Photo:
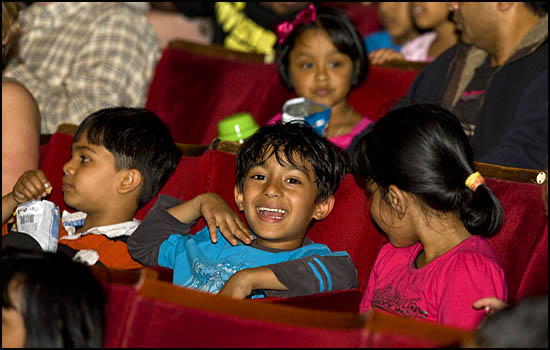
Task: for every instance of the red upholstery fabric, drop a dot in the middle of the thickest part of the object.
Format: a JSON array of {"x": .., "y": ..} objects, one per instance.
[
  {"x": 522, "y": 244},
  {"x": 149, "y": 312},
  {"x": 162, "y": 324},
  {"x": 382, "y": 88},
  {"x": 193, "y": 92}
]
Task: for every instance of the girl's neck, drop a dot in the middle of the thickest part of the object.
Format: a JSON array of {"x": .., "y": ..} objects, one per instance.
[
  {"x": 342, "y": 119},
  {"x": 439, "y": 236},
  {"x": 406, "y": 37}
]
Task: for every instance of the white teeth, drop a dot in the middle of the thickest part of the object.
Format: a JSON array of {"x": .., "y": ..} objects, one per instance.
[{"x": 281, "y": 211}]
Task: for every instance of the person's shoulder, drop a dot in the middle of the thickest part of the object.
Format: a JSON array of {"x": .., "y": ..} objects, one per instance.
[
  {"x": 16, "y": 97},
  {"x": 473, "y": 253},
  {"x": 115, "y": 11},
  {"x": 14, "y": 89}
]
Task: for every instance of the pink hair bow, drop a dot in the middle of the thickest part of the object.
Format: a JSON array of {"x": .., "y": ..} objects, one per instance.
[{"x": 307, "y": 15}]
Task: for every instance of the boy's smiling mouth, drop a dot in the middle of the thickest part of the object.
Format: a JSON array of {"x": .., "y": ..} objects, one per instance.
[{"x": 271, "y": 214}]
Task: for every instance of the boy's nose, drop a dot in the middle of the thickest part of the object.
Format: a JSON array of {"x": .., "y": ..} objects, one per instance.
[
  {"x": 272, "y": 190},
  {"x": 68, "y": 168}
]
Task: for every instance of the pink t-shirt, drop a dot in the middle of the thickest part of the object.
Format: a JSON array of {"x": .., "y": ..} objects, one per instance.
[
  {"x": 443, "y": 290},
  {"x": 342, "y": 141}
]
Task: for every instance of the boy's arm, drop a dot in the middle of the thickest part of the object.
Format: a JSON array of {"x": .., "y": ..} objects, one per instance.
[
  {"x": 243, "y": 282},
  {"x": 304, "y": 276},
  {"x": 217, "y": 214},
  {"x": 144, "y": 244},
  {"x": 8, "y": 206},
  {"x": 315, "y": 274},
  {"x": 31, "y": 185}
]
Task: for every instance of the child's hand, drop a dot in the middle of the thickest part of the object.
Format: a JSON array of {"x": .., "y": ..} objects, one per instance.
[
  {"x": 237, "y": 286},
  {"x": 490, "y": 304},
  {"x": 31, "y": 185},
  {"x": 218, "y": 214},
  {"x": 243, "y": 282},
  {"x": 380, "y": 56}
]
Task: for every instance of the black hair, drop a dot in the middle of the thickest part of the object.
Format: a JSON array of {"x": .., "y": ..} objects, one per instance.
[
  {"x": 538, "y": 8},
  {"x": 344, "y": 36},
  {"x": 422, "y": 149},
  {"x": 139, "y": 140},
  {"x": 61, "y": 302},
  {"x": 294, "y": 141},
  {"x": 524, "y": 325}
]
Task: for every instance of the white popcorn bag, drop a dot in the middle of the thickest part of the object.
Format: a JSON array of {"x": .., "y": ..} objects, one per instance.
[{"x": 40, "y": 220}]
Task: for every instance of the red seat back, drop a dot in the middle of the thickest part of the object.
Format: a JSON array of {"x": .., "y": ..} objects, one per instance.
[
  {"x": 192, "y": 92},
  {"x": 521, "y": 246},
  {"x": 382, "y": 88}
]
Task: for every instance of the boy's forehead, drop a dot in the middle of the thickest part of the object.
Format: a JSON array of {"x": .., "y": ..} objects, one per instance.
[
  {"x": 294, "y": 160},
  {"x": 82, "y": 142}
]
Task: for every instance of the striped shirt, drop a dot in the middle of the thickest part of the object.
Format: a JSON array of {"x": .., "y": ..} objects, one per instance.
[{"x": 76, "y": 58}]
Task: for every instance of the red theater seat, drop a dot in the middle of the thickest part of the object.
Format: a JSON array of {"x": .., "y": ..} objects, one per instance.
[
  {"x": 192, "y": 92},
  {"x": 145, "y": 311}
]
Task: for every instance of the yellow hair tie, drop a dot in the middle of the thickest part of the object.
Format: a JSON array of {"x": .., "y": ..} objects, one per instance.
[{"x": 474, "y": 180}]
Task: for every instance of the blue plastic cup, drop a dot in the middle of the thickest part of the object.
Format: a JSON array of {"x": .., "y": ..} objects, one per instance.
[{"x": 300, "y": 108}]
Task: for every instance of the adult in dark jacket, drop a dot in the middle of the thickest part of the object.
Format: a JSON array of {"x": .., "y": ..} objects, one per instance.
[{"x": 496, "y": 81}]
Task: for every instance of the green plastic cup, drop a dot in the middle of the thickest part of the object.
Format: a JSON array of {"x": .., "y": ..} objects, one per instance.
[{"x": 237, "y": 127}]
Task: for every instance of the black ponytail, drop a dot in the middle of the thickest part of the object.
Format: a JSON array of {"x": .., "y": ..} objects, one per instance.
[{"x": 422, "y": 149}]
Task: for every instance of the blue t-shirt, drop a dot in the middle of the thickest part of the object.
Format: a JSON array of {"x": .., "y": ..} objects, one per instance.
[
  {"x": 380, "y": 40},
  {"x": 200, "y": 264}
]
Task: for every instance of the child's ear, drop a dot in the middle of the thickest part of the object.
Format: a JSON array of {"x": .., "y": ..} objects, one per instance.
[
  {"x": 131, "y": 179},
  {"x": 398, "y": 200},
  {"x": 323, "y": 208},
  {"x": 239, "y": 198}
]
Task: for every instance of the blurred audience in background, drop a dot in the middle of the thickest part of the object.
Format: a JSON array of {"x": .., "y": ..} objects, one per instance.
[
  {"x": 495, "y": 80},
  {"x": 78, "y": 57},
  {"x": 241, "y": 26},
  {"x": 398, "y": 25},
  {"x": 432, "y": 19}
]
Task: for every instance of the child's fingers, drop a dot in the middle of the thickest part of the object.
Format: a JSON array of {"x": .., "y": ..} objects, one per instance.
[
  {"x": 213, "y": 229},
  {"x": 30, "y": 186},
  {"x": 232, "y": 229},
  {"x": 228, "y": 232},
  {"x": 489, "y": 304},
  {"x": 240, "y": 231}
]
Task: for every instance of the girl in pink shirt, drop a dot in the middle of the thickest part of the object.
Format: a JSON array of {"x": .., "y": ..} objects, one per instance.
[
  {"x": 436, "y": 212},
  {"x": 321, "y": 55}
]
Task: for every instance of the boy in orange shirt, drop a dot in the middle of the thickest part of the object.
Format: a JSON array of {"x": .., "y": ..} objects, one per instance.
[{"x": 121, "y": 157}]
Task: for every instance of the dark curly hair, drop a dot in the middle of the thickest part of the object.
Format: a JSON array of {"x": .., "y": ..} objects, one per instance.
[{"x": 294, "y": 141}]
